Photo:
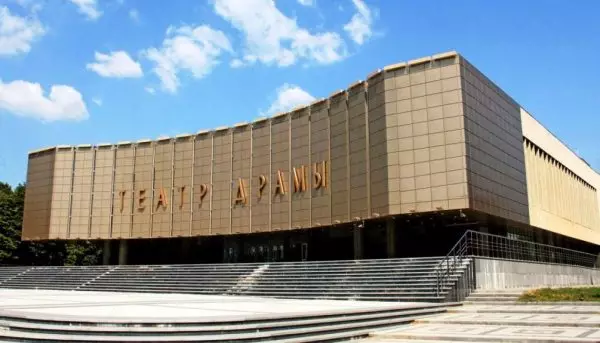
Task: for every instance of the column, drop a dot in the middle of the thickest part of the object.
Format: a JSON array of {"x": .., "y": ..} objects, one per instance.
[
  {"x": 358, "y": 241},
  {"x": 184, "y": 252},
  {"x": 122, "y": 252},
  {"x": 390, "y": 234},
  {"x": 106, "y": 252}
]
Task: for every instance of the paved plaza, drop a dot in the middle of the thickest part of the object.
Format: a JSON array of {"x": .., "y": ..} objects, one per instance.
[
  {"x": 502, "y": 323},
  {"x": 115, "y": 307}
]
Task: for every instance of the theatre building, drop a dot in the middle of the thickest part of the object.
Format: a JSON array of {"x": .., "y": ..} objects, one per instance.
[{"x": 400, "y": 164}]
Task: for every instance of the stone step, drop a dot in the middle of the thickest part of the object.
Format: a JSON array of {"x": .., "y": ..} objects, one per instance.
[
  {"x": 502, "y": 290},
  {"x": 473, "y": 298},
  {"x": 496, "y": 294},
  {"x": 290, "y": 334},
  {"x": 491, "y": 302},
  {"x": 27, "y": 325},
  {"x": 529, "y": 308}
]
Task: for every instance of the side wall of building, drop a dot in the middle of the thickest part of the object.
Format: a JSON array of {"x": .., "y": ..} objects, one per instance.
[
  {"x": 494, "y": 149},
  {"x": 563, "y": 190}
]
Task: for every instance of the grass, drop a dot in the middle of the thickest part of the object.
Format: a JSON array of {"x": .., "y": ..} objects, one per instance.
[{"x": 562, "y": 294}]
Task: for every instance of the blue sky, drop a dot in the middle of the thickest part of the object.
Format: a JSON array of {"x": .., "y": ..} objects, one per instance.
[{"x": 93, "y": 71}]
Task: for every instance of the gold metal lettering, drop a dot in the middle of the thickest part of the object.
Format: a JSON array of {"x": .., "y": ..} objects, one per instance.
[
  {"x": 320, "y": 174},
  {"x": 280, "y": 184},
  {"x": 240, "y": 197},
  {"x": 181, "y": 196},
  {"x": 162, "y": 199},
  {"x": 203, "y": 191},
  {"x": 141, "y": 199},
  {"x": 262, "y": 183},
  {"x": 122, "y": 197},
  {"x": 299, "y": 179}
]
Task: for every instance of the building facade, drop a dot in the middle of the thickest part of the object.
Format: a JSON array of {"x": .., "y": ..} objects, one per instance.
[{"x": 428, "y": 137}]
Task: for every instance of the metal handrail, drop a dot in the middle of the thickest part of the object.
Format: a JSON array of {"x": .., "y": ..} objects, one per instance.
[
  {"x": 453, "y": 253},
  {"x": 481, "y": 244}
]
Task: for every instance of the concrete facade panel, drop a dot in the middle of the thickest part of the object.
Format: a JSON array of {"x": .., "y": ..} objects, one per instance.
[
  {"x": 39, "y": 197},
  {"x": 261, "y": 184},
  {"x": 280, "y": 172},
  {"x": 240, "y": 180},
  {"x": 221, "y": 199},
  {"x": 81, "y": 200},
  {"x": 338, "y": 116},
  {"x": 300, "y": 192},
  {"x": 161, "y": 204},
  {"x": 102, "y": 191},
  {"x": 145, "y": 196},
  {"x": 123, "y": 191},
  {"x": 202, "y": 189},
  {"x": 61, "y": 172},
  {"x": 183, "y": 169},
  {"x": 320, "y": 158},
  {"x": 357, "y": 132}
]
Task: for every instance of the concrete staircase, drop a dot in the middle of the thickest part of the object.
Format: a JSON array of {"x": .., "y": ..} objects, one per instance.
[
  {"x": 402, "y": 279},
  {"x": 494, "y": 296}
]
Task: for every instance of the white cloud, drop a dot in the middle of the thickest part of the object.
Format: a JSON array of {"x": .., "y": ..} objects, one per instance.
[
  {"x": 236, "y": 63},
  {"x": 193, "y": 49},
  {"x": 288, "y": 97},
  {"x": 89, "y": 8},
  {"x": 273, "y": 38},
  {"x": 150, "y": 90},
  {"x": 115, "y": 64},
  {"x": 307, "y": 2},
  {"x": 97, "y": 101},
  {"x": 27, "y": 99},
  {"x": 134, "y": 15},
  {"x": 359, "y": 27},
  {"x": 17, "y": 33}
]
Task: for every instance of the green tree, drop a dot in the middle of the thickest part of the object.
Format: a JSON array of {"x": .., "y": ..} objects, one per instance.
[
  {"x": 82, "y": 253},
  {"x": 11, "y": 217}
]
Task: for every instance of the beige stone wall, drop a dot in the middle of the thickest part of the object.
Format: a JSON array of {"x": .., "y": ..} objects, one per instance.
[{"x": 563, "y": 189}]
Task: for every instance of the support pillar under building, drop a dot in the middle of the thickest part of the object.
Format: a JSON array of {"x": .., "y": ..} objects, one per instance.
[
  {"x": 390, "y": 235},
  {"x": 106, "y": 252},
  {"x": 122, "y": 252},
  {"x": 358, "y": 241},
  {"x": 184, "y": 250}
]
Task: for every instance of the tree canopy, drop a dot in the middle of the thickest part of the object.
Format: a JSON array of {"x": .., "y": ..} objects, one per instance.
[{"x": 14, "y": 251}]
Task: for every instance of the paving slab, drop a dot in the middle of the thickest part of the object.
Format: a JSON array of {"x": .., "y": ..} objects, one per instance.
[
  {"x": 400, "y": 340},
  {"x": 491, "y": 333},
  {"x": 516, "y": 319},
  {"x": 537, "y": 308}
]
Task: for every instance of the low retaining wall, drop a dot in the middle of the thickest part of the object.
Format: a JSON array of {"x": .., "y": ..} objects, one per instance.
[{"x": 498, "y": 274}]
